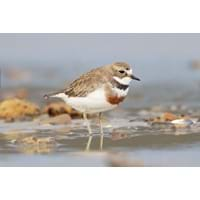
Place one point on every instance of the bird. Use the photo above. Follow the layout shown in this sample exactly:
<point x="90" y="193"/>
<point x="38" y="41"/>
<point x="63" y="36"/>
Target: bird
<point x="97" y="91"/>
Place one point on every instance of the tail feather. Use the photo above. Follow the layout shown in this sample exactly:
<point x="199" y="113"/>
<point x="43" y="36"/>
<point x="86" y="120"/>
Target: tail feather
<point x="53" y="94"/>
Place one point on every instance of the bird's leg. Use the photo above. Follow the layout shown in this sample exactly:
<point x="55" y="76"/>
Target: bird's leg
<point x="89" y="131"/>
<point x="101" y="131"/>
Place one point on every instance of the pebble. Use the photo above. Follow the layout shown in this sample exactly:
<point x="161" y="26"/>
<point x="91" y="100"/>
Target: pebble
<point x="182" y="123"/>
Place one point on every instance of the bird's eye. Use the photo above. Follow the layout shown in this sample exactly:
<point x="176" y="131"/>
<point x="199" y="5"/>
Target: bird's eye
<point x="121" y="71"/>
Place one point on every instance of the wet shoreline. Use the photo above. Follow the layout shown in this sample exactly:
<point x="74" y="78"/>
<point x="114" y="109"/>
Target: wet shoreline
<point x="157" y="125"/>
<point x="128" y="132"/>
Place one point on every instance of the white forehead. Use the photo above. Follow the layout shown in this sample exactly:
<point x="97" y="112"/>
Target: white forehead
<point x="130" y="71"/>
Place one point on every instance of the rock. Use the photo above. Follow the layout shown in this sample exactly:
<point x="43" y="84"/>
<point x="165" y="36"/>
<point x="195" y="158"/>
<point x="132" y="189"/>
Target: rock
<point x="58" y="108"/>
<point x="170" y="120"/>
<point x="12" y="109"/>
<point x="182" y="123"/>
<point x="167" y="117"/>
<point x="60" y="119"/>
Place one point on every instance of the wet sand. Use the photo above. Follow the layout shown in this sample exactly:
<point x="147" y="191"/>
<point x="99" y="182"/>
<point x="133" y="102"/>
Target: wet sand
<point x="130" y="139"/>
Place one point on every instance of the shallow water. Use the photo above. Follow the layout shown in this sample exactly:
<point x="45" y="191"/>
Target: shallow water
<point x="129" y="140"/>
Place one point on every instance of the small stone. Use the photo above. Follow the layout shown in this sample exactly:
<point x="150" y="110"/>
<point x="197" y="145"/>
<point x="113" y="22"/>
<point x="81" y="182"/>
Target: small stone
<point x="168" y="117"/>
<point x="182" y="123"/>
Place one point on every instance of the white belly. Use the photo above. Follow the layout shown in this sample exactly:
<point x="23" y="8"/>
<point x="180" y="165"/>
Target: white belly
<point x="93" y="103"/>
<point x="89" y="105"/>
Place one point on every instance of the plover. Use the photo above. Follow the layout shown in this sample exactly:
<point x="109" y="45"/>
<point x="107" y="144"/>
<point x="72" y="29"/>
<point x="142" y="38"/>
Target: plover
<point x="101" y="89"/>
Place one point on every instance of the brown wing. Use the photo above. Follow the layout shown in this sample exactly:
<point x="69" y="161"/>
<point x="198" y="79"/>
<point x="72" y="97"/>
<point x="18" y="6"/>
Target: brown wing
<point x="87" y="83"/>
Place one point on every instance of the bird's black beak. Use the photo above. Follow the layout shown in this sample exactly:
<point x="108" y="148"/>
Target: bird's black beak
<point x="134" y="78"/>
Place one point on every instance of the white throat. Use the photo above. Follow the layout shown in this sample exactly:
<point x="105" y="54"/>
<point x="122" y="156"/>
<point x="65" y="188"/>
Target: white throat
<point x="123" y="81"/>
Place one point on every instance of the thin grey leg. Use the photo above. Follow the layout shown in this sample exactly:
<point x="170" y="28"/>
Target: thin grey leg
<point x="89" y="131"/>
<point x="101" y="131"/>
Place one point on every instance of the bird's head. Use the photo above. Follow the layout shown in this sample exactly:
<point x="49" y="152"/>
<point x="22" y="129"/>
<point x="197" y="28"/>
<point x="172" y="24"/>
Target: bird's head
<point x="123" y="73"/>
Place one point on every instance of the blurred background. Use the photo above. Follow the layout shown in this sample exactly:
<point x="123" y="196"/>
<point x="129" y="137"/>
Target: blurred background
<point x="167" y="63"/>
<point x="142" y="128"/>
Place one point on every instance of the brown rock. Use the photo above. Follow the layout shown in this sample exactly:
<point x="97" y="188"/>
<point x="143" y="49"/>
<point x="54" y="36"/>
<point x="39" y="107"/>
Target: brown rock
<point x="165" y="117"/>
<point x="168" y="117"/>
<point x="12" y="109"/>
<point x="58" y="108"/>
